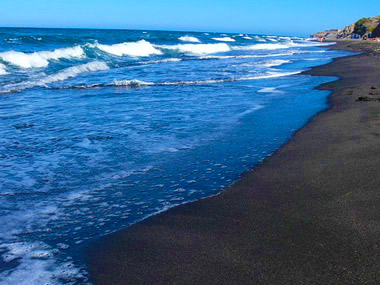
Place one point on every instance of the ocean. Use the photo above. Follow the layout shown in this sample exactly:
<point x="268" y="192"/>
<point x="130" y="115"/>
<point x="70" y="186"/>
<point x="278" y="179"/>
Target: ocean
<point x="100" y="129"/>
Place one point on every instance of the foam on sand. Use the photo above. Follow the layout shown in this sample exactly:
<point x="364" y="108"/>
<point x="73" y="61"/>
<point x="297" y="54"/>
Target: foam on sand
<point x="225" y="39"/>
<point x="199" y="48"/>
<point x="189" y="39"/>
<point x="41" y="58"/>
<point x="135" y="49"/>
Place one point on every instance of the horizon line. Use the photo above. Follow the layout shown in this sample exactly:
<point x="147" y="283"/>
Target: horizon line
<point x="140" y="29"/>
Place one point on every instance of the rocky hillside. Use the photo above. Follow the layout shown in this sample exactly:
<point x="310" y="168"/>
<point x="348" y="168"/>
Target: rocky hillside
<point x="369" y="27"/>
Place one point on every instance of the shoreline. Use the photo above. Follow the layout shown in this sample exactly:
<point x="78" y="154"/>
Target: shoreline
<point x="306" y="215"/>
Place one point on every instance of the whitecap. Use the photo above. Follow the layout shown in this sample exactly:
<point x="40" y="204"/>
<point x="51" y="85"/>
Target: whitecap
<point x="189" y="39"/>
<point x="134" y="83"/>
<point x="41" y="58"/>
<point x="75" y="71"/>
<point x="273" y="63"/>
<point x="263" y="47"/>
<point x="60" y="76"/>
<point x="199" y="48"/>
<point x="225" y="39"/>
<point x="135" y="49"/>
<point x="138" y="83"/>
<point x="3" y="70"/>
<point x="160" y="61"/>
<point x="245" y="56"/>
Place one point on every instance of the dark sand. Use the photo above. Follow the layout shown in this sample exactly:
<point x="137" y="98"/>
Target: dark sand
<point x="310" y="214"/>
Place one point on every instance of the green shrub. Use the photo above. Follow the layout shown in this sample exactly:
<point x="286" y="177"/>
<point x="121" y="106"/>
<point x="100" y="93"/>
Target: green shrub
<point x="360" y="27"/>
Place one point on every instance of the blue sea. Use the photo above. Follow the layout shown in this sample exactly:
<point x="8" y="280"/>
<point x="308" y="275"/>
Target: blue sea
<point x="100" y="129"/>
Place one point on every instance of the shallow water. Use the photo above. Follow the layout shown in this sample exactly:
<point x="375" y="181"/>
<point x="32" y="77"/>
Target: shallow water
<point x="100" y="129"/>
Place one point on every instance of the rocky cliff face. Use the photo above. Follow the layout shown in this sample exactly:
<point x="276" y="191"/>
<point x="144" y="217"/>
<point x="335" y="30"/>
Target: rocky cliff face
<point x="363" y="27"/>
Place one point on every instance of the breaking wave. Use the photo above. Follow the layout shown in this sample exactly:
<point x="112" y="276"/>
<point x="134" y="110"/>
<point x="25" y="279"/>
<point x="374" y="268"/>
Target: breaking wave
<point x="225" y="39"/>
<point x="273" y="63"/>
<point x="135" y="83"/>
<point x="41" y="58"/>
<point x="135" y="49"/>
<point x="245" y="56"/>
<point x="189" y="39"/>
<point x="3" y="69"/>
<point x="66" y="73"/>
<point x="75" y="71"/>
<point x="263" y="47"/>
<point x="198" y="48"/>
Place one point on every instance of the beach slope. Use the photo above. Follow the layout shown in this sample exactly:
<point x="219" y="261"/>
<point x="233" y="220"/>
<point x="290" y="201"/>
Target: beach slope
<point x="310" y="214"/>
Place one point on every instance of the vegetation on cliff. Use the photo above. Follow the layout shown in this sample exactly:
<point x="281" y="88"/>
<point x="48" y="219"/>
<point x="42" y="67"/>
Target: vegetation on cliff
<point x="369" y="27"/>
<point x="366" y="25"/>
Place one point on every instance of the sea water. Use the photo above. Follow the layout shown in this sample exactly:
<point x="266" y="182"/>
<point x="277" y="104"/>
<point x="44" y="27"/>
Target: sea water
<point x="100" y="129"/>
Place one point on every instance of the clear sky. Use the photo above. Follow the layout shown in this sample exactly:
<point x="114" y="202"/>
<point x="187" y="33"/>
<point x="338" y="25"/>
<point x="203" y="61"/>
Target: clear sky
<point x="286" y="17"/>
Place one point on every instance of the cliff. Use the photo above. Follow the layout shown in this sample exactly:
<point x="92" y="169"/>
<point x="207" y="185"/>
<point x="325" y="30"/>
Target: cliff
<point x="369" y="27"/>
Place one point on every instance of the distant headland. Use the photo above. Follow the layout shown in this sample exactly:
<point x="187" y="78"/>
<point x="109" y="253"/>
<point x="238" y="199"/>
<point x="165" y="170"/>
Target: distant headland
<point x="363" y="28"/>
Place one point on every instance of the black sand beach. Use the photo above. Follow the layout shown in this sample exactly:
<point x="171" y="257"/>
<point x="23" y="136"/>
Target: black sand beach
<point x="310" y="214"/>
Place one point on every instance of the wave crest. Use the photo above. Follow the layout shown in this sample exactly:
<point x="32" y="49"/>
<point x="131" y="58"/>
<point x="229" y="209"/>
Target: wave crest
<point x="134" y="83"/>
<point x="225" y="39"/>
<point x="199" y="48"/>
<point x="135" y="49"/>
<point x="75" y="71"/>
<point x="263" y="47"/>
<point x="3" y="70"/>
<point x="60" y="76"/>
<point x="41" y="58"/>
<point x="189" y="39"/>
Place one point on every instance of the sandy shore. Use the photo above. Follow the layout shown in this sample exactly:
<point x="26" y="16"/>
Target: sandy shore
<point x="310" y="214"/>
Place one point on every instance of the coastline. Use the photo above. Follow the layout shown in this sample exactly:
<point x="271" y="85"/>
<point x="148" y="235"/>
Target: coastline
<point x="309" y="214"/>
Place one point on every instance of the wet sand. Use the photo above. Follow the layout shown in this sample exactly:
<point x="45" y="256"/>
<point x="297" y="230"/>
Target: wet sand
<point x="310" y="214"/>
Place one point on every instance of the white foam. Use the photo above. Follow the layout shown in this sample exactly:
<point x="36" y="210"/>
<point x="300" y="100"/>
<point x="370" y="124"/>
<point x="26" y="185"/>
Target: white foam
<point x="247" y="38"/>
<point x="270" y="90"/>
<point x="135" y="49"/>
<point x="273" y="75"/>
<point x="3" y="70"/>
<point x="199" y="48"/>
<point x="60" y="76"/>
<point x="263" y="47"/>
<point x="75" y="71"/>
<point x="245" y="56"/>
<point x="189" y="39"/>
<point x="212" y="81"/>
<point x="161" y="61"/>
<point x="225" y="39"/>
<point x="41" y="58"/>
<point x="273" y="63"/>
<point x="134" y="83"/>
<point x="37" y="265"/>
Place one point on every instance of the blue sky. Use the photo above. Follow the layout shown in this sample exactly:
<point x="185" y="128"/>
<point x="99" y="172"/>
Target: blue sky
<point x="286" y="17"/>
